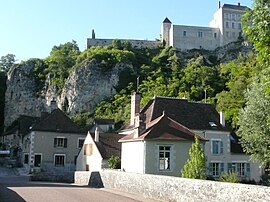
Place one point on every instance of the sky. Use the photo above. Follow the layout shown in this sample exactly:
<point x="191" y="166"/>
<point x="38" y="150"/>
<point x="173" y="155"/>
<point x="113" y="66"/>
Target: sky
<point x="30" y="28"/>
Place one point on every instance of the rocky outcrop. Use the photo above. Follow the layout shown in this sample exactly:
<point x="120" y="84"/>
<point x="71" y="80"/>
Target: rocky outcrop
<point x="86" y="86"/>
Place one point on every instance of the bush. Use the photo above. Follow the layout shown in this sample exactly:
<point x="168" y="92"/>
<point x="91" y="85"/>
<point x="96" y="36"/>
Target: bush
<point x="114" y="162"/>
<point x="229" y="177"/>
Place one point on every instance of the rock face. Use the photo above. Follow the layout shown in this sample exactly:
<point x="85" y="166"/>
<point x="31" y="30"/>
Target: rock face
<point x="86" y="86"/>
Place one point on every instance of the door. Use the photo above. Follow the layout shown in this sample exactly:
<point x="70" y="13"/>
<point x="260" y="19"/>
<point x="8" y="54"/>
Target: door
<point x="37" y="160"/>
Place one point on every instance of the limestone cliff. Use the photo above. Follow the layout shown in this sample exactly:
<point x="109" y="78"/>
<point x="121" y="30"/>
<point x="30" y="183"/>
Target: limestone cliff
<point x="86" y="86"/>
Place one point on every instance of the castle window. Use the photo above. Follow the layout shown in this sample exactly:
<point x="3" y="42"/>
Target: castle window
<point x="200" y="34"/>
<point x="233" y="25"/>
<point x="239" y="26"/>
<point x="227" y="24"/>
<point x="184" y="33"/>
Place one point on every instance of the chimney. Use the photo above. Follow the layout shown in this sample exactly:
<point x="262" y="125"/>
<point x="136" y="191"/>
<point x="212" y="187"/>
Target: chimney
<point x="96" y="135"/>
<point x="222" y="118"/>
<point x="53" y="105"/>
<point x="218" y="4"/>
<point x="238" y="3"/>
<point x="135" y="107"/>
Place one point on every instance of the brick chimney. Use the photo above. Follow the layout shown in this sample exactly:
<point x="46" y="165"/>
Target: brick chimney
<point x="53" y="105"/>
<point x="135" y="107"/>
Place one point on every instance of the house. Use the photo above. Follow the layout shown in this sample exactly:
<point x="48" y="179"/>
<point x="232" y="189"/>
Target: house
<point x="160" y="134"/>
<point x="97" y="149"/>
<point x="52" y="144"/>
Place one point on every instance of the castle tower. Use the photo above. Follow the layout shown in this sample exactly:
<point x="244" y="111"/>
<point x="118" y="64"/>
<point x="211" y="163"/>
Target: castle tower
<point x="165" y="31"/>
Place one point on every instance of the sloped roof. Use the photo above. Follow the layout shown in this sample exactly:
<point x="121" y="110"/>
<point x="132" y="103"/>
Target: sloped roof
<point x="236" y="7"/>
<point x="104" y="121"/>
<point x="22" y="125"/>
<point x="193" y="115"/>
<point x="57" y="121"/>
<point x="166" y="20"/>
<point x="108" y="144"/>
<point x="164" y="128"/>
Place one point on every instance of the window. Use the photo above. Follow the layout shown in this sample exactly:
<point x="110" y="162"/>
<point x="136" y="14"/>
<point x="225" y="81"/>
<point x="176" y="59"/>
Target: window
<point x="164" y="158"/>
<point x="37" y="160"/>
<point x="59" y="160"/>
<point x="217" y="147"/>
<point x="226" y="16"/>
<point x="200" y="34"/>
<point x="60" y="142"/>
<point x="242" y="169"/>
<point x="233" y="34"/>
<point x="184" y="33"/>
<point x="26" y="159"/>
<point x="232" y="25"/>
<point x="87" y="149"/>
<point x="227" y="34"/>
<point x="239" y="26"/>
<point x="227" y="24"/>
<point x="216" y="169"/>
<point x="233" y="16"/>
<point x="215" y="35"/>
<point x="80" y="142"/>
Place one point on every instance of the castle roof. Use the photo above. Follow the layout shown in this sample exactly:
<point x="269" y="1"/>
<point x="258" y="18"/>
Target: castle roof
<point x="167" y="20"/>
<point x="236" y="7"/>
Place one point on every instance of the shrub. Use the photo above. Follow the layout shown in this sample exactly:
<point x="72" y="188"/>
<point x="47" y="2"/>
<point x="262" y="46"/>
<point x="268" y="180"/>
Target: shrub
<point x="114" y="162"/>
<point x="229" y="177"/>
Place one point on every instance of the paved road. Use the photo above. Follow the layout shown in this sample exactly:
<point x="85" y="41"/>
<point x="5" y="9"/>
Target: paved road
<point x="15" y="188"/>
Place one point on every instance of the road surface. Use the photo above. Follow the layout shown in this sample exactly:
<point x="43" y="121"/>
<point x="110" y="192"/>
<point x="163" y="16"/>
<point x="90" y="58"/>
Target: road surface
<point x="16" y="188"/>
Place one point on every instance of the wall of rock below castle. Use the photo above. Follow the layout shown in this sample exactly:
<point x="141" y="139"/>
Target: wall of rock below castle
<point x="166" y="188"/>
<point x="86" y="86"/>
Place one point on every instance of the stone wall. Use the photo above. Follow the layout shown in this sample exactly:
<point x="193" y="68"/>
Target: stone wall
<point x="167" y="188"/>
<point x="135" y="43"/>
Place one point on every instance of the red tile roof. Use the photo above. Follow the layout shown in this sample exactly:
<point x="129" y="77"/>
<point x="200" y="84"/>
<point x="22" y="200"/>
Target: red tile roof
<point x="164" y="128"/>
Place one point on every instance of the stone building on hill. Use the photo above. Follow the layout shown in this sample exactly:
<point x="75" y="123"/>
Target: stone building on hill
<point x="225" y="28"/>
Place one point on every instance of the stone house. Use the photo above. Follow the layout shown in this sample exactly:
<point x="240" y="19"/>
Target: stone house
<point x="97" y="149"/>
<point x="160" y="134"/>
<point x="52" y="144"/>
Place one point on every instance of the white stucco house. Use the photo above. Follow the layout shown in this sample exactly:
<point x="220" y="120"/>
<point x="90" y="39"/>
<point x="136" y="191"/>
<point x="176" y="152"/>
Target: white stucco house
<point x="97" y="149"/>
<point x="160" y="134"/>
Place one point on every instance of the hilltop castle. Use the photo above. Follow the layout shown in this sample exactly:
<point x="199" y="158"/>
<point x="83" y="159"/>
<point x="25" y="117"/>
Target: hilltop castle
<point x="226" y="27"/>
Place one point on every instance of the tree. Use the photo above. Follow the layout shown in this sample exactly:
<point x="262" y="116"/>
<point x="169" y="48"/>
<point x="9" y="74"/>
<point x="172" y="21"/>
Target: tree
<point x="256" y="25"/>
<point x="195" y="166"/>
<point x="6" y="62"/>
<point x="254" y="122"/>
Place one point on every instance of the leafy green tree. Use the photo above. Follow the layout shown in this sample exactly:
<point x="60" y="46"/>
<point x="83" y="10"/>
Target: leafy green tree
<point x="254" y="123"/>
<point x="195" y="166"/>
<point x="62" y="58"/>
<point x="256" y="25"/>
<point x="6" y="62"/>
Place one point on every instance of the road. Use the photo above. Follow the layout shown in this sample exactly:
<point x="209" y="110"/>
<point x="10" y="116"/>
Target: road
<point x="16" y="188"/>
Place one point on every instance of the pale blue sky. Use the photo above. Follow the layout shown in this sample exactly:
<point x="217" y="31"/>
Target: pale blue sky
<point x="30" y="28"/>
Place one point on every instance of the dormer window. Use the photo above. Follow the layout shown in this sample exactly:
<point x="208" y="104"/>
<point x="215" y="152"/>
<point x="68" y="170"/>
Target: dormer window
<point x="212" y="124"/>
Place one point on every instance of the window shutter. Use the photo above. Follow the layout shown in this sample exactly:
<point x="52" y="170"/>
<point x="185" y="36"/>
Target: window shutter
<point x="222" y="168"/>
<point x="248" y="169"/>
<point x="55" y="142"/>
<point x="65" y="142"/>
<point x="229" y="167"/>
<point x="221" y="147"/>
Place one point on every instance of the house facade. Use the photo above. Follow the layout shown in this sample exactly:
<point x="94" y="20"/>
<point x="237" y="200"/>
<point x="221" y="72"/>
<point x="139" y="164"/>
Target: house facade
<point x="53" y="144"/>
<point x="97" y="149"/>
<point x="151" y="143"/>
